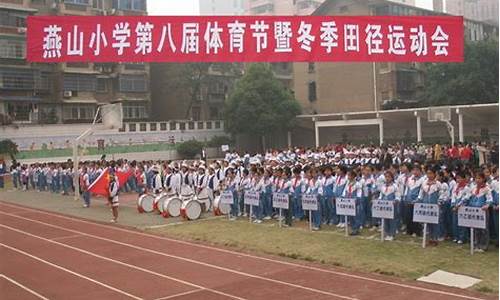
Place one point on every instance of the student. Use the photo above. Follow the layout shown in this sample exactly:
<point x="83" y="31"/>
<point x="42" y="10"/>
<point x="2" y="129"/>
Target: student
<point x="494" y="195"/>
<point x="267" y="205"/>
<point x="157" y="182"/>
<point x="297" y="191"/>
<point x="459" y="196"/>
<point x="84" y="186"/>
<point x="258" y="186"/>
<point x="430" y="193"/>
<point x="230" y="184"/>
<point x="3" y="170"/>
<point x="285" y="186"/>
<point x="340" y="182"/>
<point x="327" y="200"/>
<point x="412" y="190"/>
<point x="113" y="190"/>
<point x="243" y="186"/>
<point x="367" y="184"/>
<point x="390" y="192"/>
<point x="314" y="187"/>
<point x="353" y="190"/>
<point x="481" y="197"/>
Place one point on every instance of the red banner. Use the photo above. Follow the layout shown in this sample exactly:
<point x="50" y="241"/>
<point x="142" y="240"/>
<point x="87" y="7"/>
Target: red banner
<point x="245" y="39"/>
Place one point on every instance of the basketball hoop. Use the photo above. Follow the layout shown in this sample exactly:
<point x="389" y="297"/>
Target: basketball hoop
<point x="442" y="114"/>
<point x="112" y="118"/>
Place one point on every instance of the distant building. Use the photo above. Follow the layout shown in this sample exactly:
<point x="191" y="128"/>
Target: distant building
<point x="478" y="10"/>
<point x="66" y="92"/>
<point x="337" y="87"/>
<point x="282" y="7"/>
<point x="406" y="2"/>
<point x="222" y="7"/>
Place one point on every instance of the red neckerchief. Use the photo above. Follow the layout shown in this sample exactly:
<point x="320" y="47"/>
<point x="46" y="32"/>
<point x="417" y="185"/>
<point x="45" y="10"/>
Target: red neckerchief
<point x="351" y="184"/>
<point x="479" y="187"/>
<point x="460" y="187"/>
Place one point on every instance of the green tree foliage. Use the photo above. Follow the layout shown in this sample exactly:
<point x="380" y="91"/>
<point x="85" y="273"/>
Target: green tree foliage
<point x="473" y="81"/>
<point x="189" y="149"/>
<point x="8" y="147"/>
<point x="260" y="104"/>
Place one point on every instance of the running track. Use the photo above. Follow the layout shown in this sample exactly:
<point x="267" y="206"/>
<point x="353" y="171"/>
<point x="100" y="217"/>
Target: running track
<point x="51" y="256"/>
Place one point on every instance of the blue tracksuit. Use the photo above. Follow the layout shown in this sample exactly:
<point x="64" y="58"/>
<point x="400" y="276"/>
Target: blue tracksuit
<point x="354" y="190"/>
<point x="340" y="183"/>
<point x="314" y="187"/>
<point x="328" y="198"/>
<point x="430" y="193"/>
<point x="459" y="197"/>
<point x="390" y="192"/>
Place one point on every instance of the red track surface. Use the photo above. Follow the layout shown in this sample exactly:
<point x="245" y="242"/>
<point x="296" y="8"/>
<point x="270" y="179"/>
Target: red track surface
<point x="51" y="256"/>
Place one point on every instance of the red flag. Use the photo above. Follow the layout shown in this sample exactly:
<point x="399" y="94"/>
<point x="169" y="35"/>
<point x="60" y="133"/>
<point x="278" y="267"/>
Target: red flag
<point x="101" y="185"/>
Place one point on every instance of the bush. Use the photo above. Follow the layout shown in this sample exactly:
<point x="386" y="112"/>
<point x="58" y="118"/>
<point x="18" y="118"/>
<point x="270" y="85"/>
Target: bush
<point x="189" y="149"/>
<point x="218" y="141"/>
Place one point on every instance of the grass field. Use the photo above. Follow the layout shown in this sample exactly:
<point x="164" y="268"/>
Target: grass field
<point x="94" y="151"/>
<point x="402" y="258"/>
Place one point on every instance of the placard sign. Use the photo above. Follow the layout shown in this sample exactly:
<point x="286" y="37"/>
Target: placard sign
<point x="252" y="198"/>
<point x="346" y="206"/>
<point x="226" y="197"/>
<point x="472" y="217"/>
<point x="280" y="200"/>
<point x="426" y="213"/>
<point x="309" y="202"/>
<point x="383" y="209"/>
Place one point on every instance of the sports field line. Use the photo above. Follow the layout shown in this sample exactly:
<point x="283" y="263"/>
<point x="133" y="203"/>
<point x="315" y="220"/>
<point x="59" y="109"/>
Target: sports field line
<point x="23" y="287"/>
<point x="64" y="269"/>
<point x="241" y="254"/>
<point x="119" y="262"/>
<point x="166" y="255"/>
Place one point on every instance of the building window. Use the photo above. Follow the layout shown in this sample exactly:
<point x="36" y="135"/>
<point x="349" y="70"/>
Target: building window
<point x="152" y="126"/>
<point x="200" y="125"/>
<point x="17" y="79"/>
<point x="163" y="126"/>
<point x="13" y="19"/>
<point x="79" y="82"/>
<point x="311" y="68"/>
<point x="312" y="91"/>
<point x="135" y="66"/>
<point x="143" y="127"/>
<point x="214" y="113"/>
<point x="101" y="85"/>
<point x="130" y="4"/>
<point x="79" y="2"/>
<point x="133" y="83"/>
<point x="209" y="125"/>
<point x="173" y="126"/>
<point x="12" y="48"/>
<point x="196" y="113"/>
<point x="191" y="125"/>
<point x="78" y="112"/>
<point x="134" y="111"/>
<point x="182" y="126"/>
<point x="131" y="127"/>
<point x="217" y="124"/>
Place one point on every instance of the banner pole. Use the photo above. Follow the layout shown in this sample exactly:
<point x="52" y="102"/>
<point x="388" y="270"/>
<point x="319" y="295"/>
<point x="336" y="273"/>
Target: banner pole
<point x="310" y="220"/>
<point x="382" y="231"/>
<point x="346" y="226"/>
<point x="425" y="235"/>
<point x="471" y="241"/>
<point x="280" y="218"/>
<point x="250" y="215"/>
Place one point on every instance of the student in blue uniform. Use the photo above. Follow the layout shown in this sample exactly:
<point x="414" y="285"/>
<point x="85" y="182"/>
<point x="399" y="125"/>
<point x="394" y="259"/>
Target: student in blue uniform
<point x="459" y="196"/>
<point x="340" y="182"/>
<point x="297" y="190"/>
<point x="494" y="195"/>
<point x="430" y="193"/>
<point x="481" y="197"/>
<point x="327" y="200"/>
<point x="354" y="190"/>
<point x="314" y="187"/>
<point x="390" y="192"/>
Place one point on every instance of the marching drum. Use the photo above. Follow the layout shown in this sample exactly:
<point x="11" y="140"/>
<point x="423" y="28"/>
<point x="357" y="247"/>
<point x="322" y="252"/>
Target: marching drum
<point x="221" y="208"/>
<point x="191" y="209"/>
<point x="171" y="207"/>
<point x="158" y="204"/>
<point x="145" y="203"/>
<point x="204" y="199"/>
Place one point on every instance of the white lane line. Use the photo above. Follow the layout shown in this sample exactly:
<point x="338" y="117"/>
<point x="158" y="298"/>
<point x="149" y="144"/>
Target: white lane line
<point x="180" y="294"/>
<point x="119" y="262"/>
<point x="141" y="248"/>
<point x="23" y="287"/>
<point x="69" y="271"/>
<point x="182" y="223"/>
<point x="241" y="254"/>
<point x="65" y="237"/>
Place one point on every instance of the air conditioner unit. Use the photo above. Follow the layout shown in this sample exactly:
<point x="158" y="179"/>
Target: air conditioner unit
<point x="68" y="94"/>
<point x="21" y="30"/>
<point x="111" y="12"/>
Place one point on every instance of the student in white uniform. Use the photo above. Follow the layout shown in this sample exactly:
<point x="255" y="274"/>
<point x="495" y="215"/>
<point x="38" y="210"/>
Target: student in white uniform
<point x="113" y="196"/>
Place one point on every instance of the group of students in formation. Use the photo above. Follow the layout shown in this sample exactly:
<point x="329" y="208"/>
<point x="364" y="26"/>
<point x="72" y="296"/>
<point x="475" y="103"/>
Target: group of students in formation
<point x="329" y="174"/>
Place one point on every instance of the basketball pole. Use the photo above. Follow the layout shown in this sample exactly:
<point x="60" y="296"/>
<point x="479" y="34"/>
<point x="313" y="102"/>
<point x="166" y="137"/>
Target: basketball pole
<point x="76" y="143"/>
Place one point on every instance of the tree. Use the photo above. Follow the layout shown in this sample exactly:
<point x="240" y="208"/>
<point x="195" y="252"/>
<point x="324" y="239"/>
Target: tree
<point x="8" y="147"/>
<point x="260" y="104"/>
<point x="473" y="81"/>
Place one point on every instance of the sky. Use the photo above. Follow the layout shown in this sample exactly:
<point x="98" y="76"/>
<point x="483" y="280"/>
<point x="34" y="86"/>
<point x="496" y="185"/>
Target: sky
<point x="190" y="7"/>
